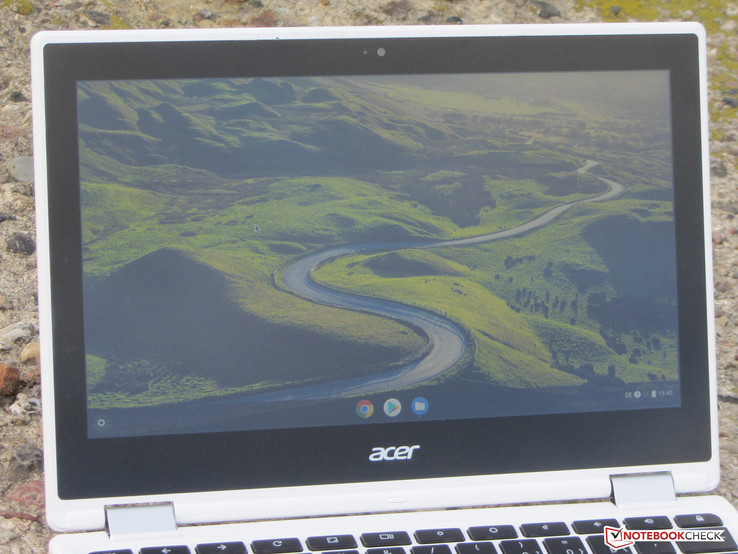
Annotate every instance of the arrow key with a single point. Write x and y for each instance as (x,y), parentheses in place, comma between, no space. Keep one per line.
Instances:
(166,550)
(221,548)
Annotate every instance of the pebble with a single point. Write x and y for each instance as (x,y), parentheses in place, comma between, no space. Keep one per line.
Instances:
(5,304)
(25,460)
(30,493)
(25,406)
(17,96)
(21,243)
(724,286)
(30,353)
(21,169)
(9,380)
(21,332)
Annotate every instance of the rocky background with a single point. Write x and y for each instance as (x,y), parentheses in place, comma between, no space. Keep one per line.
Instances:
(22,524)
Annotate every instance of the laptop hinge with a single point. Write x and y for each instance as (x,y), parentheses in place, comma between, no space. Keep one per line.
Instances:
(642,488)
(140,521)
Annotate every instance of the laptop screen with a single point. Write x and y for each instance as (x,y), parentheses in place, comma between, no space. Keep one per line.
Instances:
(472,245)
(317,251)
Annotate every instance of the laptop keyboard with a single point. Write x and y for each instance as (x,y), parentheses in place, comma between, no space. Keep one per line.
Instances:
(552,537)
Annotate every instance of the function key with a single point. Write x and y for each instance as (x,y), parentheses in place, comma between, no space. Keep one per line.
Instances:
(276,546)
(697,520)
(221,548)
(597,545)
(552,529)
(525,546)
(331,542)
(593,526)
(726,545)
(430,536)
(492,533)
(647,523)
(431,549)
(564,545)
(475,548)
(394,538)
(181,549)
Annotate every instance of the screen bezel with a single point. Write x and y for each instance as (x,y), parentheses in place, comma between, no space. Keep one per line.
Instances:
(91,468)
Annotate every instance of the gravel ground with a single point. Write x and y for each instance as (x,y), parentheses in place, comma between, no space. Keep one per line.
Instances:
(22,525)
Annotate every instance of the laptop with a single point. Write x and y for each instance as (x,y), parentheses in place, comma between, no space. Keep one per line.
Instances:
(414,290)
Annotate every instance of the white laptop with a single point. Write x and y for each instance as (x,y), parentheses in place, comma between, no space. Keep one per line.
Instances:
(340,290)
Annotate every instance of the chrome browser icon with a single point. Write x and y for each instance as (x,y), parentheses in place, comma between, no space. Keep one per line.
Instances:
(364,409)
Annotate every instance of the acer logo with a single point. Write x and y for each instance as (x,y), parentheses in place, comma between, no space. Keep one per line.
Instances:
(390,453)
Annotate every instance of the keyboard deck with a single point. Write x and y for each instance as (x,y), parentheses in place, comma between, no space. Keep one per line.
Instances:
(570,529)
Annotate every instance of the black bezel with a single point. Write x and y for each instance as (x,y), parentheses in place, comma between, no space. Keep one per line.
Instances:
(255,459)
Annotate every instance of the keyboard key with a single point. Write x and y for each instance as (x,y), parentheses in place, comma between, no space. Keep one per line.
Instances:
(388,550)
(492,533)
(654,548)
(593,526)
(648,523)
(276,546)
(331,542)
(564,545)
(697,520)
(166,550)
(430,536)
(544,529)
(598,546)
(394,538)
(476,548)
(431,549)
(221,548)
(525,546)
(728,544)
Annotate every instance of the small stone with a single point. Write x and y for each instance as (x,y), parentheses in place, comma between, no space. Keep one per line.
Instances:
(454,19)
(545,10)
(21,169)
(724,286)
(718,168)
(18,97)
(719,236)
(10,132)
(9,380)
(17,333)
(255,3)
(30,353)
(5,304)
(25,405)
(31,379)
(99,18)
(24,461)
(397,8)
(6,217)
(21,243)
(30,493)
(730,101)
(615,10)
(26,189)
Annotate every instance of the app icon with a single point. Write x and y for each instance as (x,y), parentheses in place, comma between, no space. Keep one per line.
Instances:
(392,407)
(364,409)
(420,406)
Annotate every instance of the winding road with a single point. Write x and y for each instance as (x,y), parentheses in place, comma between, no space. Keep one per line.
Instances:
(447,340)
